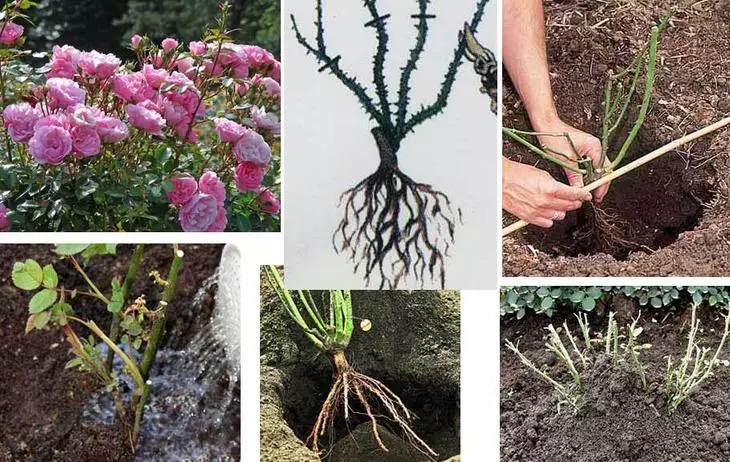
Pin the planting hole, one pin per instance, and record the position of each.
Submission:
(645, 210)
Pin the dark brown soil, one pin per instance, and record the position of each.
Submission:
(619, 420)
(671, 216)
(41, 404)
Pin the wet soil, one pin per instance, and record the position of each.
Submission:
(619, 421)
(669, 217)
(413, 348)
(41, 404)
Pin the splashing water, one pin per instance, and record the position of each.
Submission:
(193, 410)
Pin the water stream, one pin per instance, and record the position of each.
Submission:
(193, 413)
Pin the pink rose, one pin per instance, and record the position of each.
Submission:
(275, 72)
(257, 56)
(197, 48)
(111, 129)
(183, 129)
(82, 116)
(266, 121)
(209, 183)
(98, 65)
(145, 119)
(241, 88)
(252, 147)
(85, 141)
(155, 77)
(221, 221)
(54, 120)
(185, 65)
(249, 176)
(169, 44)
(64, 61)
(272, 86)
(135, 41)
(11, 32)
(200, 213)
(228, 130)
(50, 144)
(64, 92)
(4, 220)
(132, 87)
(184, 187)
(269, 202)
(20, 120)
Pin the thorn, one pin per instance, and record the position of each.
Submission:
(423, 16)
(331, 63)
(377, 20)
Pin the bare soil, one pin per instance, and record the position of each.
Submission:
(671, 215)
(41, 404)
(619, 421)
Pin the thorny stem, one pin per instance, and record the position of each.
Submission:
(414, 56)
(126, 287)
(93, 287)
(514, 134)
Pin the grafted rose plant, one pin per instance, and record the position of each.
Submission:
(186, 137)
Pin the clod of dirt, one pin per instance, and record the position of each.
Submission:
(362, 447)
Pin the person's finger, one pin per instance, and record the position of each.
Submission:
(551, 214)
(569, 193)
(564, 205)
(574, 178)
(542, 222)
(600, 193)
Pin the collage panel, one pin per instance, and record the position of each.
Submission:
(390, 187)
(120, 352)
(614, 373)
(359, 376)
(630, 102)
(140, 116)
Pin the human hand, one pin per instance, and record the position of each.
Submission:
(586, 145)
(536, 197)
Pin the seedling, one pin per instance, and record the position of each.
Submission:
(135, 329)
(330, 334)
(393, 226)
(632, 349)
(685, 377)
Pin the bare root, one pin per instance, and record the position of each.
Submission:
(394, 227)
(378, 403)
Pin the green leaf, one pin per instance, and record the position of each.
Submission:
(117, 300)
(27, 275)
(42, 300)
(50, 278)
(41, 319)
(588, 303)
(70, 249)
(547, 303)
(76, 362)
(656, 302)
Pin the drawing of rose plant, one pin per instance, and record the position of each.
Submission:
(183, 138)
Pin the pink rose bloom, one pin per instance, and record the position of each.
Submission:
(185, 65)
(11, 32)
(209, 183)
(228, 130)
(135, 40)
(184, 187)
(221, 221)
(85, 141)
(257, 56)
(197, 48)
(54, 120)
(269, 202)
(20, 120)
(132, 87)
(169, 44)
(82, 116)
(64, 61)
(275, 72)
(111, 129)
(252, 147)
(50, 144)
(241, 88)
(272, 86)
(98, 65)
(249, 176)
(173, 112)
(155, 77)
(183, 129)
(64, 92)
(266, 121)
(199, 213)
(145, 119)
(209, 69)
(4, 220)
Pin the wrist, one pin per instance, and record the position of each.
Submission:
(545, 120)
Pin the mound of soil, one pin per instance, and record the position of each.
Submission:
(668, 217)
(413, 348)
(41, 404)
(619, 420)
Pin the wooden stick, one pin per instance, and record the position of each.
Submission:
(635, 164)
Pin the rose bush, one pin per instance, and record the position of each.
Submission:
(183, 138)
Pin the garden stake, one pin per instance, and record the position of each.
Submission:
(634, 165)
(332, 338)
(393, 227)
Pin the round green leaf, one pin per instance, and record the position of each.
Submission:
(27, 275)
(50, 278)
(588, 303)
(42, 300)
(41, 319)
(70, 249)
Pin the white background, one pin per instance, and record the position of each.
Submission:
(328, 146)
